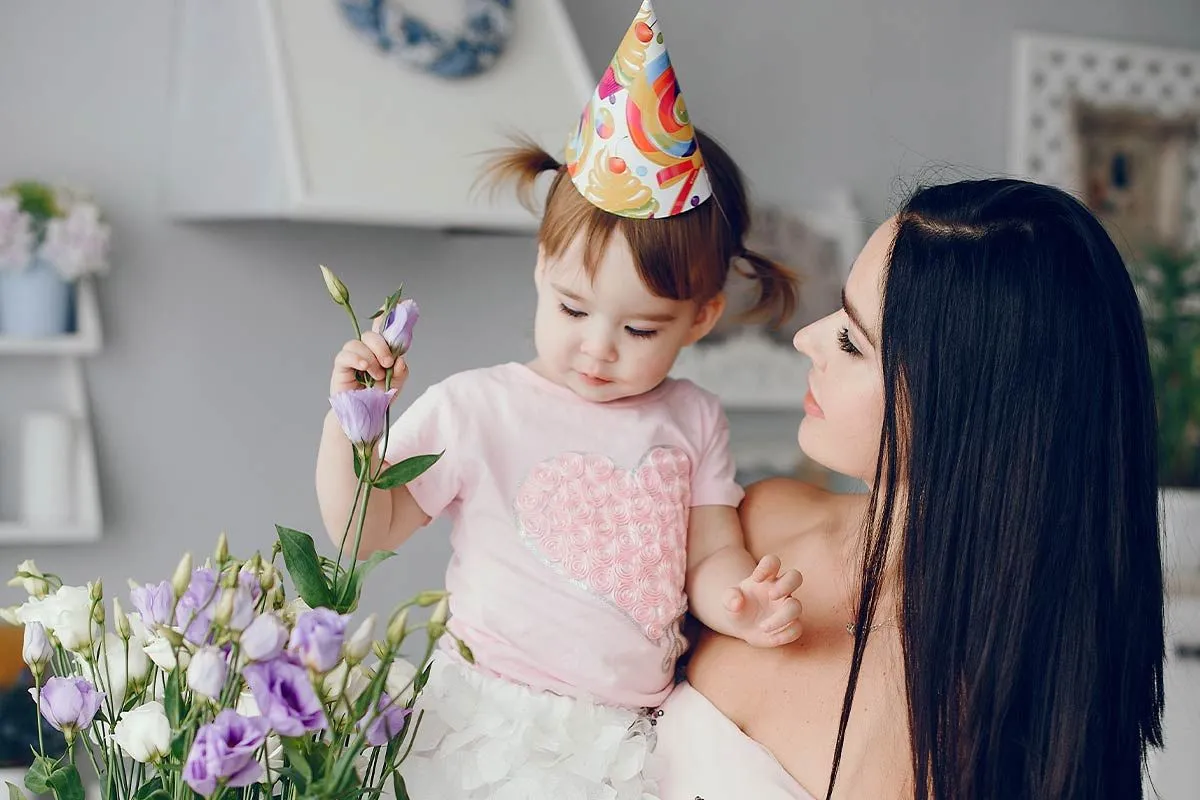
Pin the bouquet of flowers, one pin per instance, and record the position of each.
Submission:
(57, 226)
(222, 683)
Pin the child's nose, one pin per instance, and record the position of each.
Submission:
(600, 346)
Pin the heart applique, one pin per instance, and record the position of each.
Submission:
(619, 534)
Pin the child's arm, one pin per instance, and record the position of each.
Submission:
(729, 592)
(392, 515)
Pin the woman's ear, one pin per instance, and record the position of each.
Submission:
(707, 316)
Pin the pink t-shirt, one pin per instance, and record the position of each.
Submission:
(569, 523)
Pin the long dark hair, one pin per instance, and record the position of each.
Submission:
(1017, 470)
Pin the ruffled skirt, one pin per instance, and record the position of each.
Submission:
(484, 737)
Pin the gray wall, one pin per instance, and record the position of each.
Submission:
(209, 394)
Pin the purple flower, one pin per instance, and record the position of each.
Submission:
(362, 413)
(69, 704)
(224, 753)
(264, 638)
(317, 638)
(397, 329)
(154, 602)
(285, 696)
(198, 605)
(194, 613)
(387, 721)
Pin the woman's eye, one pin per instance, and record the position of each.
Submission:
(845, 344)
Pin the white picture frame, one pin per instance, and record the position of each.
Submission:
(1051, 73)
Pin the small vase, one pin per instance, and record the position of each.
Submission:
(35, 302)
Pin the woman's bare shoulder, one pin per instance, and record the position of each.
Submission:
(777, 511)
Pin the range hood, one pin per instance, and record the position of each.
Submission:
(281, 110)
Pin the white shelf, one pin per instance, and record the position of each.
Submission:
(87, 339)
(69, 351)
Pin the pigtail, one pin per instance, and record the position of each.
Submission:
(777, 287)
(519, 165)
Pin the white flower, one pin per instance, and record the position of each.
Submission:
(9, 615)
(31, 579)
(359, 644)
(140, 635)
(16, 234)
(293, 609)
(399, 681)
(78, 244)
(36, 650)
(113, 670)
(144, 733)
(207, 673)
(67, 614)
(344, 691)
(162, 653)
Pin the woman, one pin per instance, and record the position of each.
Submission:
(988, 622)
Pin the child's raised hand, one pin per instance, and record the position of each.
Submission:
(761, 608)
(371, 355)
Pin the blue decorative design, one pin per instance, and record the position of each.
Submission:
(474, 49)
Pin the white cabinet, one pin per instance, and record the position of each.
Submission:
(281, 110)
(68, 352)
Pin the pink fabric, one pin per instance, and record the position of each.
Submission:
(569, 523)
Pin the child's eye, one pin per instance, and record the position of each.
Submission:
(571, 312)
(639, 333)
(845, 344)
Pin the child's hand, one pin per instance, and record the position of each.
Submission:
(761, 608)
(370, 355)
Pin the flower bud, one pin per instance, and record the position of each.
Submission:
(397, 628)
(428, 598)
(31, 579)
(36, 650)
(337, 289)
(225, 608)
(120, 621)
(359, 643)
(183, 576)
(465, 651)
(96, 590)
(437, 620)
(222, 551)
(98, 614)
(266, 578)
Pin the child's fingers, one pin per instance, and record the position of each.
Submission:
(768, 567)
(379, 347)
(788, 611)
(788, 582)
(785, 635)
(735, 601)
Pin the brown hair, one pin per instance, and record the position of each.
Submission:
(683, 257)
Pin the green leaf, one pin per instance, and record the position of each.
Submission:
(358, 461)
(66, 783)
(407, 470)
(300, 556)
(297, 761)
(152, 790)
(173, 700)
(37, 779)
(398, 786)
(14, 792)
(350, 585)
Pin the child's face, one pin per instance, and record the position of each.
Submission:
(609, 337)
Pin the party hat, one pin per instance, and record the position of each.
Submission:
(634, 153)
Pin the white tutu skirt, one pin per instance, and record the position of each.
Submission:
(484, 737)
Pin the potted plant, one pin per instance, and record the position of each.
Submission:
(1168, 282)
(50, 237)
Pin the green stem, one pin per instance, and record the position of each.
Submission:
(37, 682)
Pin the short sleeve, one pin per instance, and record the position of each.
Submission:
(713, 481)
(429, 426)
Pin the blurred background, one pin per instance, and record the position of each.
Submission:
(232, 146)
